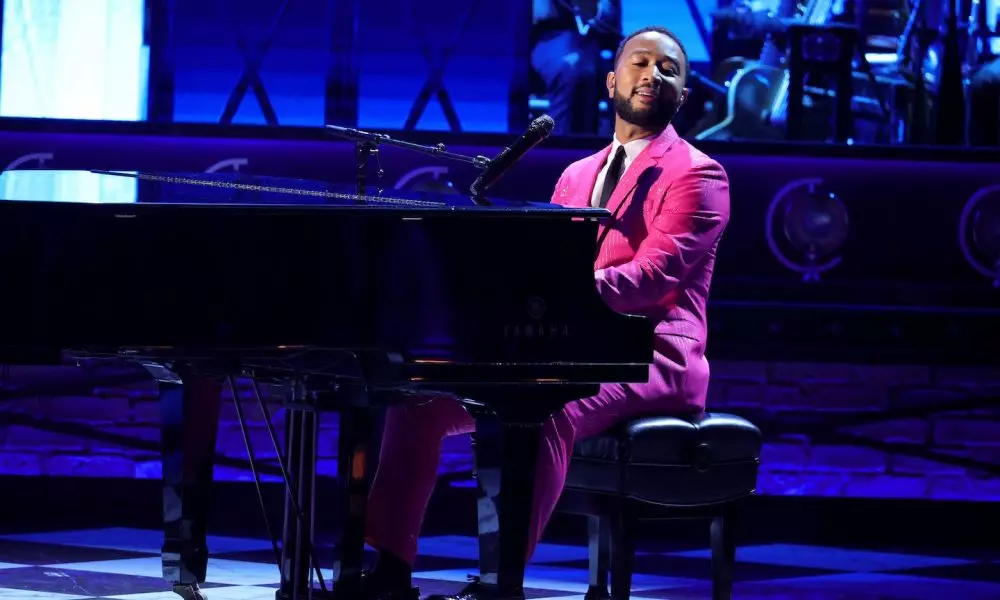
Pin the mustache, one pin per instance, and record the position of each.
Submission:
(654, 89)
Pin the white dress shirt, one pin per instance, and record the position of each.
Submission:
(632, 149)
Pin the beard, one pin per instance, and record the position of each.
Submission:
(655, 116)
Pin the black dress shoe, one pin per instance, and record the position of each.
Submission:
(469, 592)
(475, 590)
(374, 587)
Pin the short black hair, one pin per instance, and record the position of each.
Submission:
(656, 29)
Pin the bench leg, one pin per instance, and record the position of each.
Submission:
(622, 529)
(723, 543)
(599, 557)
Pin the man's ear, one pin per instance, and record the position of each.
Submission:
(610, 83)
(684, 96)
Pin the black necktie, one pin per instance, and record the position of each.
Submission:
(612, 177)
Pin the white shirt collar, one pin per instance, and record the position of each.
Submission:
(632, 149)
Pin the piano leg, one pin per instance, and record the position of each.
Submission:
(487, 454)
(506, 448)
(301, 433)
(506, 457)
(353, 482)
(189, 408)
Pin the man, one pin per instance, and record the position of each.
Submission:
(670, 204)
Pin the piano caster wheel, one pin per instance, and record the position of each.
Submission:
(190, 592)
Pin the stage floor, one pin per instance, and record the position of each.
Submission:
(124, 563)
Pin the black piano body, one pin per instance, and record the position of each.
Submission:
(355, 299)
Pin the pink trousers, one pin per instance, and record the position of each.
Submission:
(411, 451)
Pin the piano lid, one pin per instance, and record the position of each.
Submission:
(131, 187)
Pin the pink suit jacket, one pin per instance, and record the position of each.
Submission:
(656, 257)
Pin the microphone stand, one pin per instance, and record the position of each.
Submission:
(367, 145)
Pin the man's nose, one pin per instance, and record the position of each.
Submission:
(650, 75)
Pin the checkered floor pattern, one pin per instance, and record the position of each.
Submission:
(124, 564)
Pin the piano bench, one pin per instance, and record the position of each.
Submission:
(659, 468)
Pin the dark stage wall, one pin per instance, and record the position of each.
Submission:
(862, 406)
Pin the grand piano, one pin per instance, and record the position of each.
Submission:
(350, 300)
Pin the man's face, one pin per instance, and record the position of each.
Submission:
(648, 82)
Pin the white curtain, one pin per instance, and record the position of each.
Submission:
(73, 59)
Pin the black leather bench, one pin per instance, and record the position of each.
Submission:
(654, 468)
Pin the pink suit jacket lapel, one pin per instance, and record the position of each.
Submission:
(650, 157)
(588, 177)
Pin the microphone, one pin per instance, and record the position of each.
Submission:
(539, 129)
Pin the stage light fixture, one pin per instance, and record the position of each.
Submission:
(815, 224)
(979, 232)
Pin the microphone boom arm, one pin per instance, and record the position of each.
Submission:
(374, 139)
(492, 169)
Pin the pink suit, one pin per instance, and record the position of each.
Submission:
(671, 207)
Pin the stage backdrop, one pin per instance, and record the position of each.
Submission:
(374, 64)
(839, 423)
